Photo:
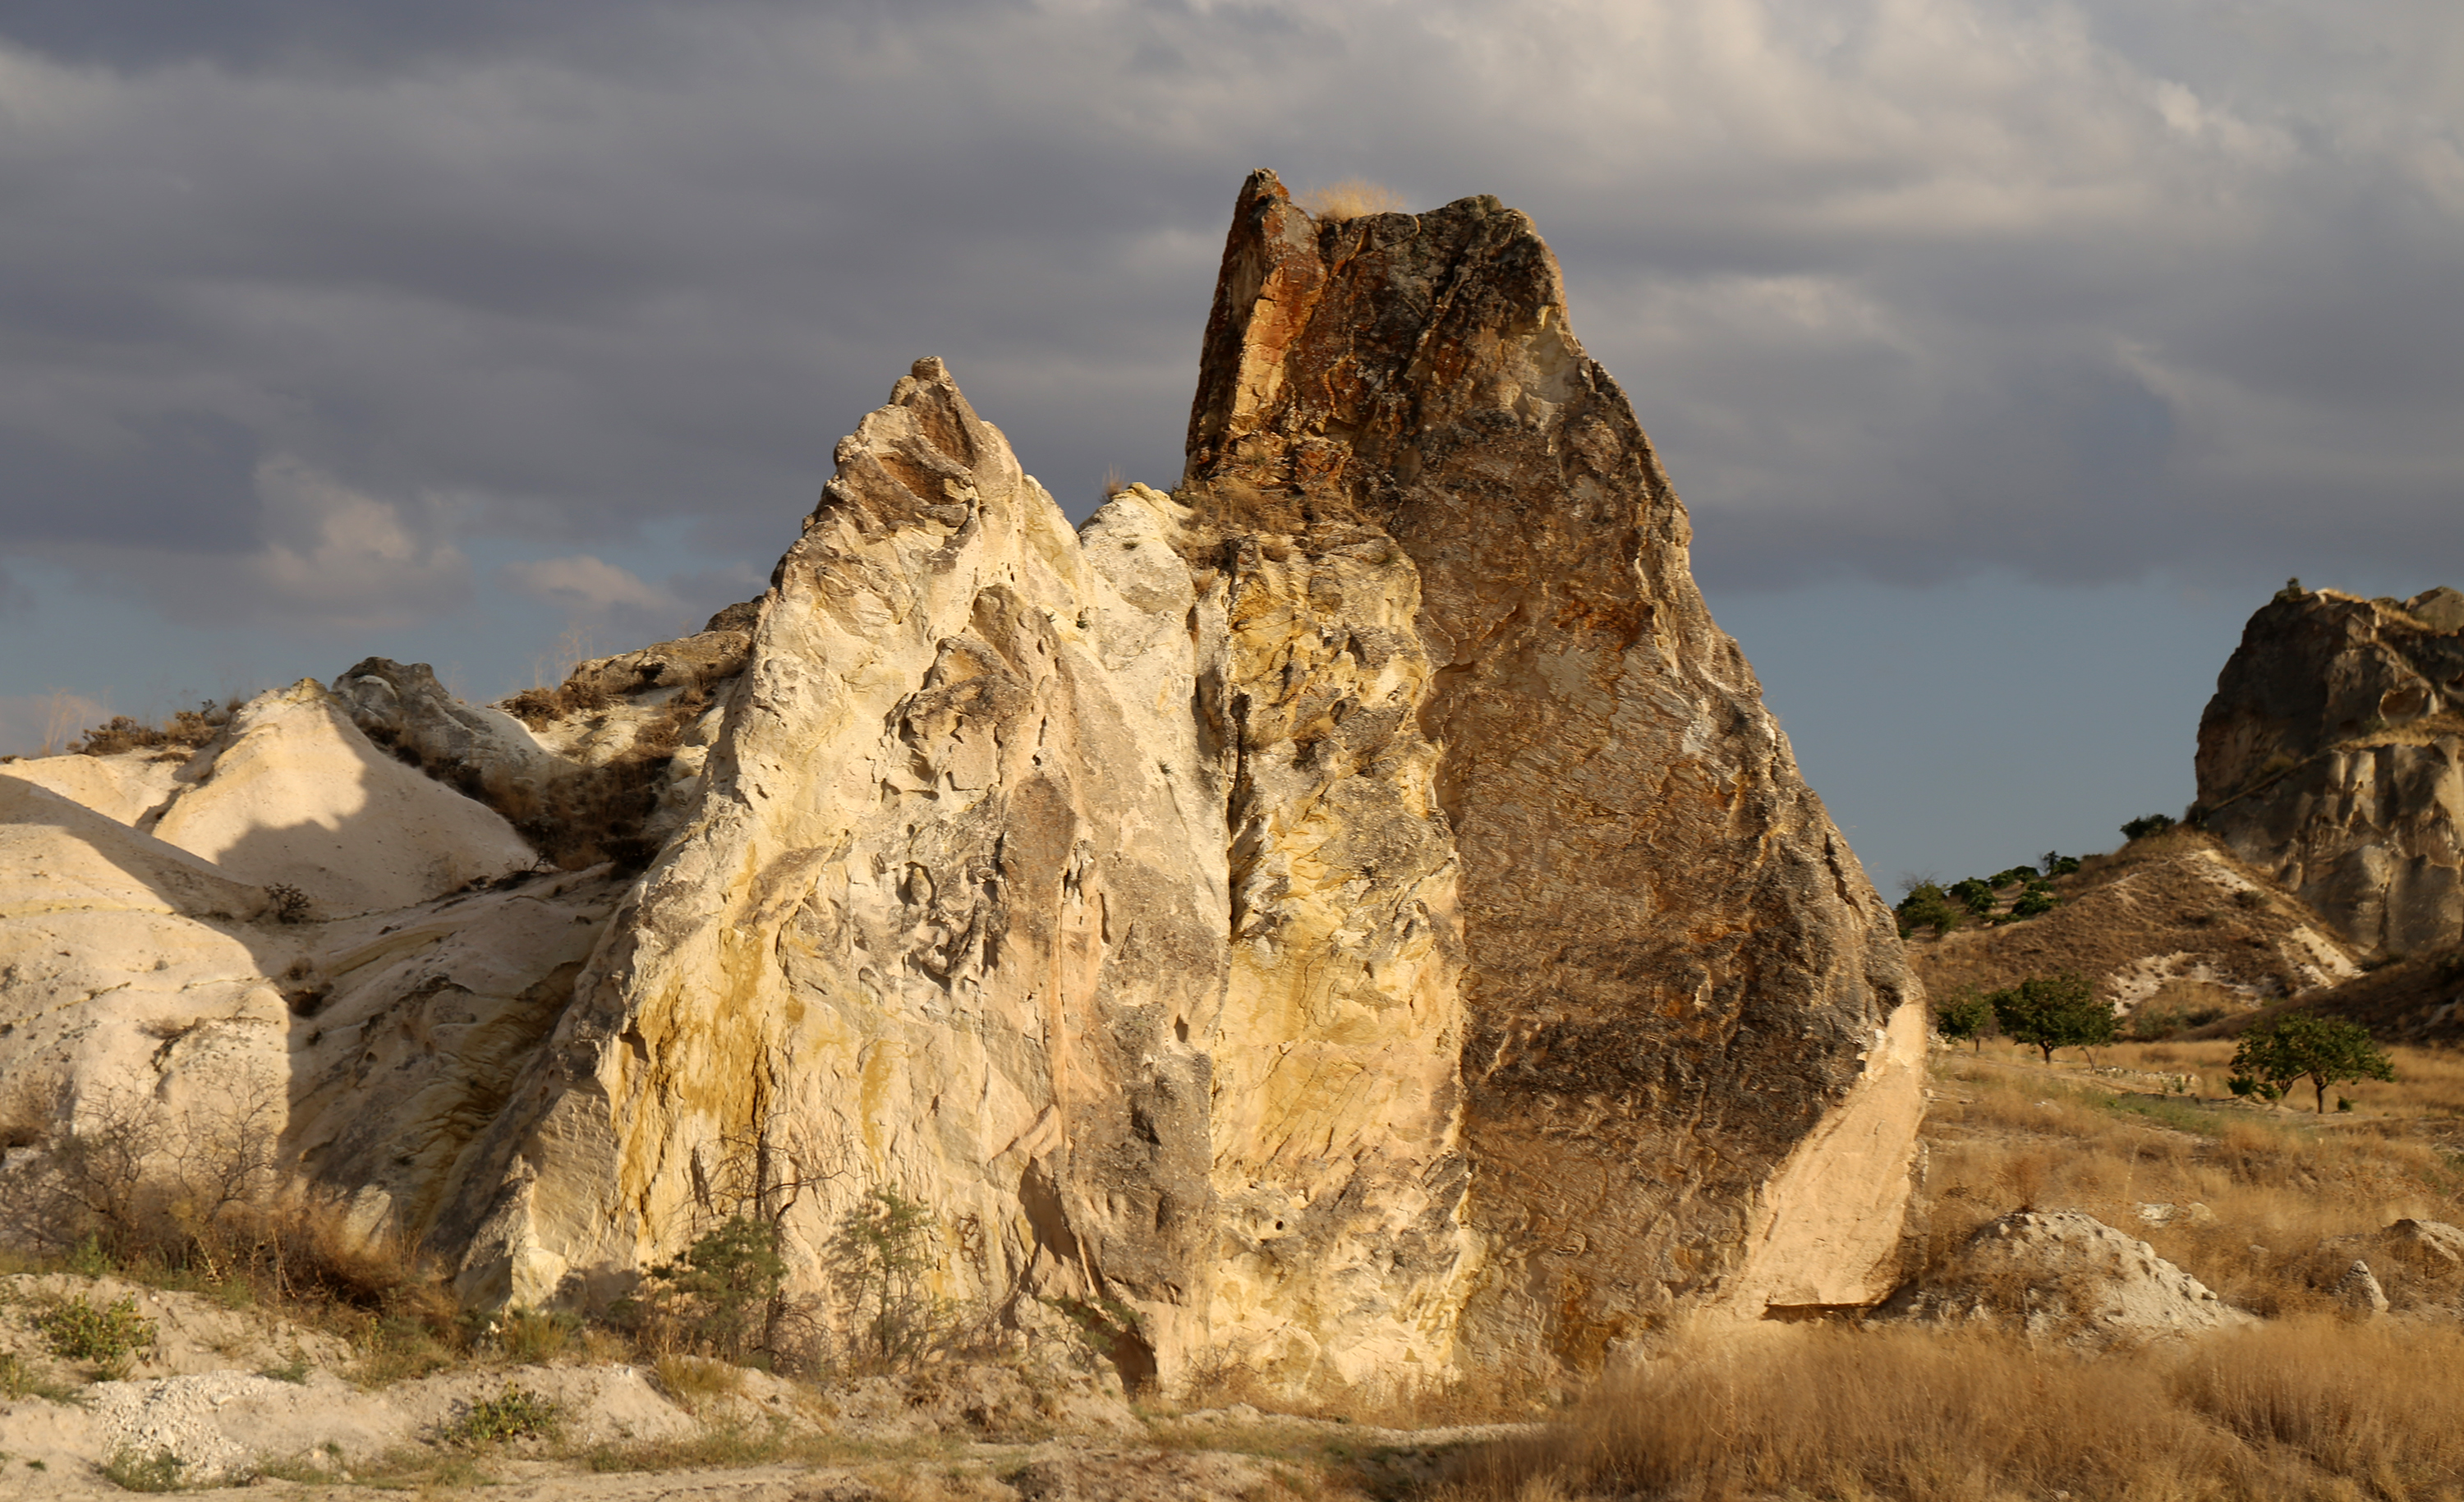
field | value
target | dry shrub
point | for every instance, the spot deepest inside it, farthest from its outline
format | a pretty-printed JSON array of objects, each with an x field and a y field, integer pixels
[
  {"x": 134, "y": 1187},
  {"x": 597, "y": 814},
  {"x": 1352, "y": 198},
  {"x": 2299, "y": 1411},
  {"x": 189, "y": 729}
]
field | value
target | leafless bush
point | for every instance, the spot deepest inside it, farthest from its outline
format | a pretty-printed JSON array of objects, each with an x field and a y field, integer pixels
[
  {"x": 204, "y": 1192},
  {"x": 189, "y": 729}
]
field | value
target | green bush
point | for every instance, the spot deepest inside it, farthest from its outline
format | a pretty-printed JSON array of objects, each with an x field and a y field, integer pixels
[
  {"x": 2298, "y": 1045},
  {"x": 1966, "y": 1016},
  {"x": 1976, "y": 896},
  {"x": 2012, "y": 877},
  {"x": 111, "y": 1336},
  {"x": 1927, "y": 906},
  {"x": 2051, "y": 1012},
  {"x": 2146, "y": 824},
  {"x": 2032, "y": 902},
  {"x": 718, "y": 1299},
  {"x": 515, "y": 1413},
  {"x": 884, "y": 1252}
]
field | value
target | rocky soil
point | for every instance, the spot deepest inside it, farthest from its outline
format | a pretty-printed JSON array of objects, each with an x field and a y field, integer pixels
[{"x": 229, "y": 1395}]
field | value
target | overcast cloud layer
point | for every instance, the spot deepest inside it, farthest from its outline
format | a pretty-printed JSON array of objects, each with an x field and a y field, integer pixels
[{"x": 321, "y": 317}]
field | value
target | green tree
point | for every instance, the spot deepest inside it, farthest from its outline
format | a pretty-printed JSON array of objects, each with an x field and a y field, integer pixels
[
  {"x": 2297, "y": 1045},
  {"x": 1976, "y": 896},
  {"x": 2146, "y": 824},
  {"x": 883, "y": 1250},
  {"x": 1927, "y": 906},
  {"x": 2051, "y": 1012},
  {"x": 1967, "y": 1016},
  {"x": 717, "y": 1296}
]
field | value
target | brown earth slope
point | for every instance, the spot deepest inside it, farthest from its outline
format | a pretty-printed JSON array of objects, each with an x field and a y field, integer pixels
[{"x": 2170, "y": 924}]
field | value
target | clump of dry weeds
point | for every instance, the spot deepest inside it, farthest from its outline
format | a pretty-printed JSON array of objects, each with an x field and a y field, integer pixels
[{"x": 1352, "y": 198}]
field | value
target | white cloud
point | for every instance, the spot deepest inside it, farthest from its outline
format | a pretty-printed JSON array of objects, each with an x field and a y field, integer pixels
[{"x": 584, "y": 586}]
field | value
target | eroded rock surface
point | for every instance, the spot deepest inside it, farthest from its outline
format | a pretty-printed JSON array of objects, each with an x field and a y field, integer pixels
[
  {"x": 1352, "y": 909},
  {"x": 1677, "y": 978},
  {"x": 2332, "y": 759}
]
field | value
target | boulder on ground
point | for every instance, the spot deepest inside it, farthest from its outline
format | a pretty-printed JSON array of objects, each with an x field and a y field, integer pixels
[{"x": 2065, "y": 1274}]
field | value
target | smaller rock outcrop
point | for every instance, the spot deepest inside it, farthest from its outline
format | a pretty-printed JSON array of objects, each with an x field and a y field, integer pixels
[
  {"x": 2171, "y": 927},
  {"x": 401, "y": 708},
  {"x": 2332, "y": 759},
  {"x": 2359, "y": 1292},
  {"x": 292, "y": 793},
  {"x": 2065, "y": 1274},
  {"x": 2434, "y": 1239}
]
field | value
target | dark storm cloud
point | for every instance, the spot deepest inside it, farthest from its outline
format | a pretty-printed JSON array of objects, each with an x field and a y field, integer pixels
[{"x": 299, "y": 298}]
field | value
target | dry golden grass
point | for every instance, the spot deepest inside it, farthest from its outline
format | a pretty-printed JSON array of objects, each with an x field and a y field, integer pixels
[
  {"x": 2293, "y": 1199},
  {"x": 2312, "y": 1409},
  {"x": 1352, "y": 198}
]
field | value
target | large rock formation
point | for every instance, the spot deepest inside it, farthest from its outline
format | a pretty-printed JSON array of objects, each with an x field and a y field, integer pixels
[
  {"x": 2332, "y": 759},
  {"x": 1350, "y": 915},
  {"x": 1355, "y": 904}
]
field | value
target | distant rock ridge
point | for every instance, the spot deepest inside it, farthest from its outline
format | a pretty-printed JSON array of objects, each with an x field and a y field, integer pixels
[
  {"x": 1350, "y": 915},
  {"x": 2332, "y": 759}
]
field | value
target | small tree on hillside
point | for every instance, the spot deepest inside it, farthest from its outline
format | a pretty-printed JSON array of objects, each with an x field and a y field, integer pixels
[
  {"x": 2146, "y": 824},
  {"x": 2051, "y": 1012},
  {"x": 1967, "y": 1017},
  {"x": 2296, "y": 1045}
]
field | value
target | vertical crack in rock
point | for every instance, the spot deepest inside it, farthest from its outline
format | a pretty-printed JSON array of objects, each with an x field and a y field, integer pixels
[{"x": 1692, "y": 1041}]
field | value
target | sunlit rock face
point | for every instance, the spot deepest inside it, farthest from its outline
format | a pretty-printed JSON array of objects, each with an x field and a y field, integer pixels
[
  {"x": 1690, "y": 1038},
  {"x": 1351, "y": 915},
  {"x": 2332, "y": 759}
]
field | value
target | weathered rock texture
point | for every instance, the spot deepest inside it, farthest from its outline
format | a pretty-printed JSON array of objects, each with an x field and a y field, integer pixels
[
  {"x": 2065, "y": 1274},
  {"x": 1351, "y": 915},
  {"x": 1681, "y": 993},
  {"x": 2332, "y": 759},
  {"x": 1349, "y": 912}
]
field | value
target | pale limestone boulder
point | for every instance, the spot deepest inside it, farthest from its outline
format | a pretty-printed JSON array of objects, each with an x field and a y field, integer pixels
[
  {"x": 293, "y": 793},
  {"x": 2064, "y": 1275},
  {"x": 372, "y": 1052},
  {"x": 2359, "y": 1292},
  {"x": 127, "y": 786},
  {"x": 130, "y": 970}
]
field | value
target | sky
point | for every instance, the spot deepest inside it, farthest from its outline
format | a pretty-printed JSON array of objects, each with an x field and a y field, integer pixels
[{"x": 2008, "y": 353}]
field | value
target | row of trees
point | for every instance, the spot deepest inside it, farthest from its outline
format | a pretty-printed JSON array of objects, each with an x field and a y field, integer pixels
[
  {"x": 1930, "y": 905},
  {"x": 2062, "y": 1011}
]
